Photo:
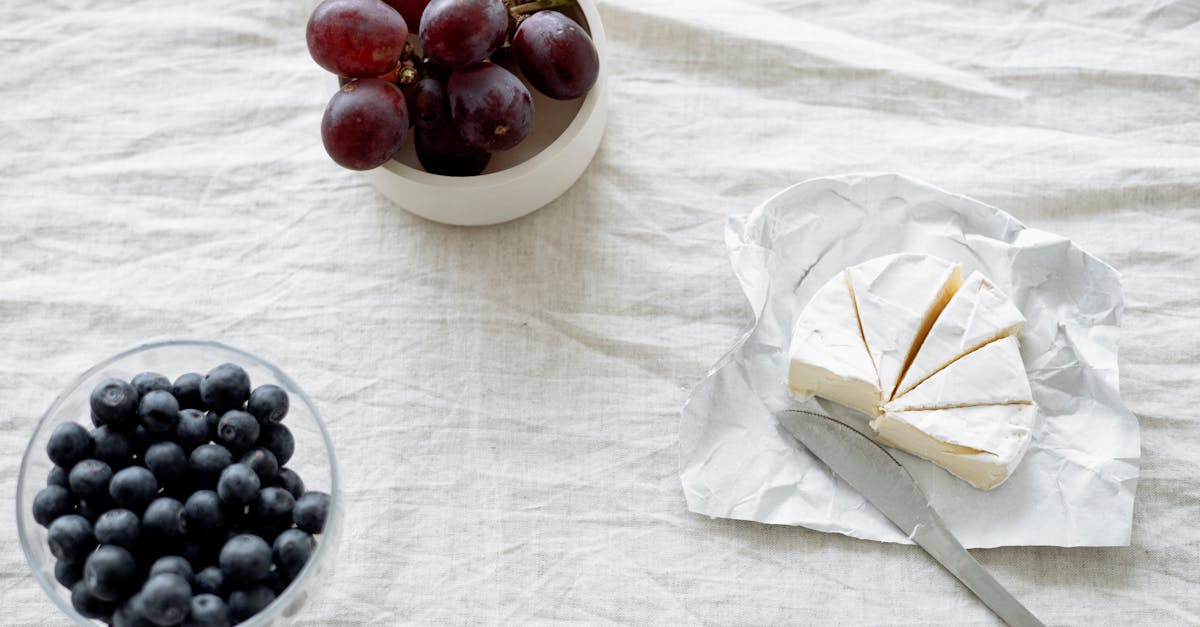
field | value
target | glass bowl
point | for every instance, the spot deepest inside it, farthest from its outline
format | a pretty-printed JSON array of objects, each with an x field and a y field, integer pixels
[{"x": 314, "y": 461}]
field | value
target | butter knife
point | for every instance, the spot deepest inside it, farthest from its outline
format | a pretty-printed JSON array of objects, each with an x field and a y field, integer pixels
[{"x": 875, "y": 473}]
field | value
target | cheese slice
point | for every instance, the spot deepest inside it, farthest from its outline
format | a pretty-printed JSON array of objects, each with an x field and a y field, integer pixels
[
  {"x": 981, "y": 445},
  {"x": 827, "y": 356},
  {"x": 897, "y": 298},
  {"x": 991, "y": 375},
  {"x": 978, "y": 314}
]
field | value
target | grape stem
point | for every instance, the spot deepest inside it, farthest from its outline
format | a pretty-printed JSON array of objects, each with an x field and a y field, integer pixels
[{"x": 534, "y": 6}]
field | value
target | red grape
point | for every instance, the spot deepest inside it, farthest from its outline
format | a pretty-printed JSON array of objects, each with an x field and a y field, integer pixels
[
  {"x": 365, "y": 124},
  {"x": 458, "y": 33},
  {"x": 492, "y": 108},
  {"x": 427, "y": 102},
  {"x": 356, "y": 38},
  {"x": 442, "y": 150},
  {"x": 411, "y": 10},
  {"x": 556, "y": 55}
]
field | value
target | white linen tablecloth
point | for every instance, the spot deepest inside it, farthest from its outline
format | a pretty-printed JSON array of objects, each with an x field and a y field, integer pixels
[{"x": 505, "y": 400}]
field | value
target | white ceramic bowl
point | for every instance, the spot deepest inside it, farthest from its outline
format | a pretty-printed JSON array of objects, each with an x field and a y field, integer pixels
[
  {"x": 516, "y": 182},
  {"x": 314, "y": 461}
]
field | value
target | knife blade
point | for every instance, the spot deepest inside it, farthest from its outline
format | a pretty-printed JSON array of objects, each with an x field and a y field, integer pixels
[{"x": 882, "y": 481}]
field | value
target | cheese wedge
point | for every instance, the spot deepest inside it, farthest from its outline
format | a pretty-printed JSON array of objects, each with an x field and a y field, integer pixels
[
  {"x": 898, "y": 297},
  {"x": 978, "y": 313},
  {"x": 991, "y": 375},
  {"x": 827, "y": 356},
  {"x": 981, "y": 445}
]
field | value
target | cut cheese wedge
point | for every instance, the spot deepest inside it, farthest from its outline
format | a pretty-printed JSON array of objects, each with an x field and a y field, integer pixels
[
  {"x": 991, "y": 375},
  {"x": 827, "y": 357},
  {"x": 898, "y": 297},
  {"x": 981, "y": 445},
  {"x": 978, "y": 314}
]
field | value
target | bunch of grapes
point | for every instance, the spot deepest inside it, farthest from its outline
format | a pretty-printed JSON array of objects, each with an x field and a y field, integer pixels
[{"x": 458, "y": 85}]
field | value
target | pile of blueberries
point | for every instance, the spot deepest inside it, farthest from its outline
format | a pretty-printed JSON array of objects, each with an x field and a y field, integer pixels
[{"x": 176, "y": 508}]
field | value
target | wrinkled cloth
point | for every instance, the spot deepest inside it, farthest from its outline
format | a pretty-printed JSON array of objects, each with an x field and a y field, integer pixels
[{"x": 505, "y": 401}]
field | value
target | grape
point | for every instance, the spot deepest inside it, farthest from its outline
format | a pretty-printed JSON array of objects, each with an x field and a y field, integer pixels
[
  {"x": 556, "y": 55},
  {"x": 492, "y": 108},
  {"x": 458, "y": 33},
  {"x": 365, "y": 124},
  {"x": 356, "y": 38},
  {"x": 442, "y": 150},
  {"x": 411, "y": 10},
  {"x": 427, "y": 103}
]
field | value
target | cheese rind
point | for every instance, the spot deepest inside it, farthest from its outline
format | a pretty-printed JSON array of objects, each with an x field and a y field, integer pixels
[
  {"x": 978, "y": 313},
  {"x": 897, "y": 298},
  {"x": 981, "y": 445},
  {"x": 827, "y": 357},
  {"x": 991, "y": 375}
]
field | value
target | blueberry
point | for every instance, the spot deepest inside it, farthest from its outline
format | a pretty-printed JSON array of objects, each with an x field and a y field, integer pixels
[
  {"x": 111, "y": 446},
  {"x": 133, "y": 488},
  {"x": 225, "y": 387},
  {"x": 119, "y": 527},
  {"x": 272, "y": 509},
  {"x": 187, "y": 391},
  {"x": 268, "y": 403},
  {"x": 246, "y": 603},
  {"x": 131, "y": 613},
  {"x": 57, "y": 476},
  {"x": 164, "y": 523},
  {"x": 114, "y": 403},
  {"x": 207, "y": 462},
  {"x": 209, "y": 610},
  {"x": 290, "y": 481},
  {"x": 263, "y": 463},
  {"x": 158, "y": 411},
  {"x": 291, "y": 551},
  {"x": 277, "y": 439},
  {"x": 110, "y": 572},
  {"x": 166, "y": 599},
  {"x": 146, "y": 382},
  {"x": 238, "y": 485},
  {"x": 167, "y": 461},
  {"x": 311, "y": 510},
  {"x": 69, "y": 444},
  {"x": 173, "y": 564},
  {"x": 204, "y": 512},
  {"x": 67, "y": 573},
  {"x": 210, "y": 581},
  {"x": 50, "y": 503},
  {"x": 89, "y": 479},
  {"x": 192, "y": 429},
  {"x": 70, "y": 538},
  {"x": 88, "y": 604},
  {"x": 213, "y": 419},
  {"x": 238, "y": 430},
  {"x": 245, "y": 559}
]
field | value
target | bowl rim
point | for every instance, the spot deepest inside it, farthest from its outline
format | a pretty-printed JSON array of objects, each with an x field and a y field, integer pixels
[
  {"x": 332, "y": 528},
  {"x": 529, "y": 167}
]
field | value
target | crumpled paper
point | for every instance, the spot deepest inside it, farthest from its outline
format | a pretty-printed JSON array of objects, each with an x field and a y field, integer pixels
[{"x": 1076, "y": 484}]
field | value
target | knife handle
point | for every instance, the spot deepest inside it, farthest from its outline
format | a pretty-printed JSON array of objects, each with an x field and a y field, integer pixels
[{"x": 937, "y": 540}]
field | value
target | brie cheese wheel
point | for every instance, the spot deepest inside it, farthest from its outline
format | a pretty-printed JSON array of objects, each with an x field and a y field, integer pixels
[
  {"x": 978, "y": 313},
  {"x": 991, "y": 375},
  {"x": 980, "y": 445},
  {"x": 827, "y": 355},
  {"x": 933, "y": 359},
  {"x": 898, "y": 297}
]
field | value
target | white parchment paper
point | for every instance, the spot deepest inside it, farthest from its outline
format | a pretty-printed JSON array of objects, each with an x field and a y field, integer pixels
[{"x": 1075, "y": 486}]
